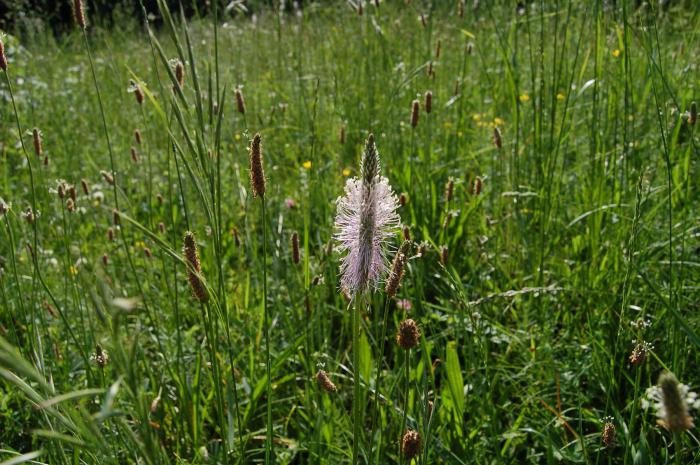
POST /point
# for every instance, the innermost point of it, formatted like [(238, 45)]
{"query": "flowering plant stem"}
[(268, 439), (407, 369), (356, 412), (378, 376)]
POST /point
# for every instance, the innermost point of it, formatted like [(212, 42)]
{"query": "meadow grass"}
[(550, 196)]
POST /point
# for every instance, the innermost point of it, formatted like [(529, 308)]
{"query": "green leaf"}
[(454, 378)]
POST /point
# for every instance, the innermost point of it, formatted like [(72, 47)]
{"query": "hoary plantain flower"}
[(365, 220), (671, 401)]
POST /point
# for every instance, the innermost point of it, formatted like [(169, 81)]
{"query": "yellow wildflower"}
[(306, 164)]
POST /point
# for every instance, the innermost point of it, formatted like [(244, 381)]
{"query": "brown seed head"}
[(676, 419), (72, 192), (79, 13), (398, 268), (408, 335), (86, 187), (29, 215), (116, 217), (159, 199), (437, 49), (36, 135), (161, 227), (406, 230), (3, 57), (460, 8), (180, 74), (70, 205), (100, 357), (138, 92), (325, 382), (476, 186), (240, 102), (137, 136), (449, 190), (443, 255), (639, 354), (608, 435), (107, 177), (134, 155), (105, 259), (497, 139), (257, 173), (341, 136), (411, 444), (147, 252), (428, 103), (693, 115), (110, 234), (403, 199), (194, 268), (295, 248), (415, 110)]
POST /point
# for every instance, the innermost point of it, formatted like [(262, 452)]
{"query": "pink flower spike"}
[(366, 218)]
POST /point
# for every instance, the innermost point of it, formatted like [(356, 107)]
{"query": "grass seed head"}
[(608, 435), (257, 172), (676, 418), (398, 268), (194, 268), (497, 139), (100, 357), (443, 255), (408, 335), (295, 248), (137, 136), (107, 177), (36, 136), (3, 57), (79, 12), (180, 74), (415, 110), (449, 190), (476, 186), (428, 103), (411, 444), (240, 102), (693, 115), (325, 382)]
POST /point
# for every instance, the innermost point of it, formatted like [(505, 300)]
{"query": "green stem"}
[(356, 384), (268, 440), (407, 372)]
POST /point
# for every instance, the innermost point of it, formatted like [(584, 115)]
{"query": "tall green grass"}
[(583, 242)]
